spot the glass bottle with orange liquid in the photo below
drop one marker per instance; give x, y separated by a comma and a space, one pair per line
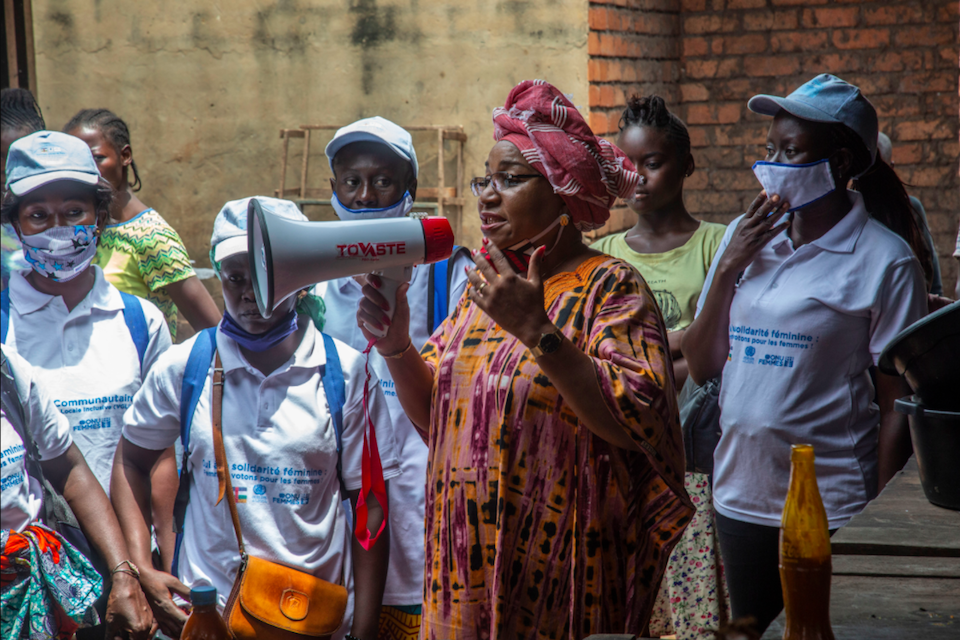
805, 566
204, 622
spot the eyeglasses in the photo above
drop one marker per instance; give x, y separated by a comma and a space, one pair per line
501, 180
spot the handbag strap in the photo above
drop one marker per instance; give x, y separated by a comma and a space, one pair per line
220, 453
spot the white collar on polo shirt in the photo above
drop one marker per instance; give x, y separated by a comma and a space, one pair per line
842, 238
309, 354
27, 300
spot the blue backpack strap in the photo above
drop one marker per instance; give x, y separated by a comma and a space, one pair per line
194, 379
441, 276
335, 390
4, 314
136, 324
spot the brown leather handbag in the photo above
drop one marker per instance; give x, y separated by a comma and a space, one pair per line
270, 601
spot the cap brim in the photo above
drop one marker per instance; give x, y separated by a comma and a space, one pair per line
28, 184
769, 106
333, 147
230, 247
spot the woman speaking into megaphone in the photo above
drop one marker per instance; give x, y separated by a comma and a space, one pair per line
555, 477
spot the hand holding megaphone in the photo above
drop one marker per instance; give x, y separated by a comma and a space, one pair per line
391, 328
289, 255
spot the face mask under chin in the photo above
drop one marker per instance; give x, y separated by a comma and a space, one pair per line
402, 208
518, 254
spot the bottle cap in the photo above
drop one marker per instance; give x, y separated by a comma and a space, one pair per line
203, 596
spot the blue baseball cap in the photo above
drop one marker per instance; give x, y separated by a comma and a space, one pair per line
375, 129
230, 227
826, 98
48, 156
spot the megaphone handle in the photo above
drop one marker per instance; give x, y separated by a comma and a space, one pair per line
390, 281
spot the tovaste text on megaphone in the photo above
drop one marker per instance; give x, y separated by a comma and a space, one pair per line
289, 255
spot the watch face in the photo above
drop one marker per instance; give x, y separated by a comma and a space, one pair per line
549, 342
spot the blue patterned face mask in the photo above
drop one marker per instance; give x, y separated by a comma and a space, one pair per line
61, 253
398, 210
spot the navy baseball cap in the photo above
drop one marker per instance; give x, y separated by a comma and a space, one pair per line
826, 98
48, 156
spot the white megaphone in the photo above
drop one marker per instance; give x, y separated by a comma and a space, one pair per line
289, 255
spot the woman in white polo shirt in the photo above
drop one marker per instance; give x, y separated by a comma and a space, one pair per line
795, 312
280, 445
48, 586
90, 345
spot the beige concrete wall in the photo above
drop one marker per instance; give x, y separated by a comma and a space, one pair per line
206, 86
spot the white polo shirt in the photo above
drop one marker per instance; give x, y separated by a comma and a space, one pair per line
85, 359
405, 576
282, 451
22, 496
805, 327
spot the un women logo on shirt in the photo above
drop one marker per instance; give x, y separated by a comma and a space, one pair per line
750, 352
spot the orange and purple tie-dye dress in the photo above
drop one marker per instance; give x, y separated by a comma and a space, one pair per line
535, 527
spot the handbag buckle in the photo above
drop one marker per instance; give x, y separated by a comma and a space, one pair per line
294, 604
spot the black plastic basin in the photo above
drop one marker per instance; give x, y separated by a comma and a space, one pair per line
936, 443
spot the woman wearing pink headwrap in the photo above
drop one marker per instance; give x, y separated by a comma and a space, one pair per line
555, 481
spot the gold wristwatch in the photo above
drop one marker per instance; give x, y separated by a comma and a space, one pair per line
549, 342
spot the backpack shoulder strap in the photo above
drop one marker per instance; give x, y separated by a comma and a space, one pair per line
136, 323
335, 390
194, 379
4, 314
441, 277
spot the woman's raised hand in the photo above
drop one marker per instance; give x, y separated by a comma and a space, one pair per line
755, 230
512, 301
372, 311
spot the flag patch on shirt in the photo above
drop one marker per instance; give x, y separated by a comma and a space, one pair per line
240, 493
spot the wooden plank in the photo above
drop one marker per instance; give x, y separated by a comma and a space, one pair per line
896, 566
30, 52
890, 609
455, 135
432, 193
901, 521
10, 24
291, 133
306, 160
284, 147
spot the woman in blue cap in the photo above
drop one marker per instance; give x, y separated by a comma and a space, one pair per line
806, 289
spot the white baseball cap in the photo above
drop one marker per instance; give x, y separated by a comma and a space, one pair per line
375, 129
48, 156
230, 227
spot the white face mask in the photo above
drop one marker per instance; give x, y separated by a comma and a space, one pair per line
798, 184
402, 208
61, 253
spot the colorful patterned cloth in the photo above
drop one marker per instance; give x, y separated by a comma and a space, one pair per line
399, 623
536, 528
47, 587
586, 171
693, 595
142, 256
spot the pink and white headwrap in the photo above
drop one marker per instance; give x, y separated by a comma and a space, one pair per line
586, 171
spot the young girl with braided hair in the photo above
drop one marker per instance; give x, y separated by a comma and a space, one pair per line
672, 250
139, 252
19, 116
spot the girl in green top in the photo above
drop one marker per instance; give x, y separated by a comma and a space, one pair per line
672, 250
139, 252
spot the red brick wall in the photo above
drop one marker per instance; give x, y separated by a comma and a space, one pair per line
903, 54
634, 47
